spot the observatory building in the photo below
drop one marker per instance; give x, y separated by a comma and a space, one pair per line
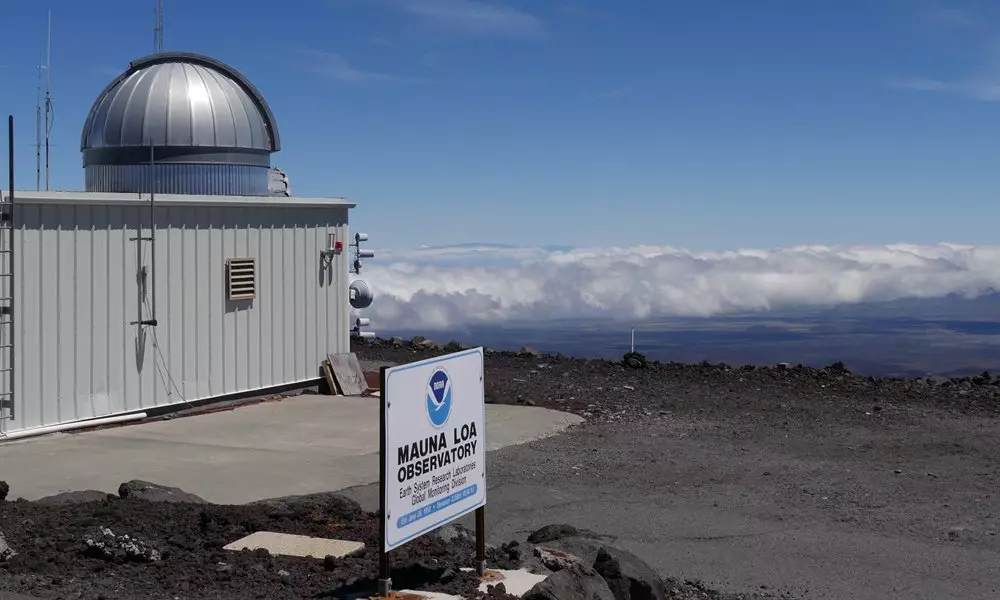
185, 270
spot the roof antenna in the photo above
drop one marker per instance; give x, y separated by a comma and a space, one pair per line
38, 126
158, 28
48, 100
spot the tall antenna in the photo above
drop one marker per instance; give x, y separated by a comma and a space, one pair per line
158, 28
38, 127
48, 99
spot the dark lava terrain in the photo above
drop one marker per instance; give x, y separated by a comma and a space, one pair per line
608, 390
816, 483
774, 481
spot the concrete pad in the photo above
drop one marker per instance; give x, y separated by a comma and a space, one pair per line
302, 546
300, 445
417, 595
516, 582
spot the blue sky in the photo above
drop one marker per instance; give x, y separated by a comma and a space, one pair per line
707, 125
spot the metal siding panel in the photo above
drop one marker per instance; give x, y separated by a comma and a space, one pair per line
254, 317
190, 314
179, 342
299, 337
48, 335
180, 178
340, 328
230, 322
245, 347
320, 294
77, 293
269, 275
216, 268
133, 385
203, 296
100, 280
307, 297
64, 259
30, 359
287, 330
117, 317
82, 311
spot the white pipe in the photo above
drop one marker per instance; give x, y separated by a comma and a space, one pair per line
16, 435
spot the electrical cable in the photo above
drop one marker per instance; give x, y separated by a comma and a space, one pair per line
161, 366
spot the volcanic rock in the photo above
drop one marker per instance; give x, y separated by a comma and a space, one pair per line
556, 560
4, 490
74, 498
106, 545
301, 506
628, 577
577, 582
6, 552
454, 532
557, 532
151, 492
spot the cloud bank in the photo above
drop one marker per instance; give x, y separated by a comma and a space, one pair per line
449, 288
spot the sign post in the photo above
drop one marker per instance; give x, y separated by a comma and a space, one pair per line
432, 448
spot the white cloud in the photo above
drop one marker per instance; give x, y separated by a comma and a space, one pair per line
979, 33
444, 288
985, 88
471, 17
336, 67
949, 18
616, 93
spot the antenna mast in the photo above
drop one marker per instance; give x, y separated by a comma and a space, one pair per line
158, 28
38, 126
48, 99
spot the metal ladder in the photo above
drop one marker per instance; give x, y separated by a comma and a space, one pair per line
7, 307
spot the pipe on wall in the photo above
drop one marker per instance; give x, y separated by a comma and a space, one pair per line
25, 433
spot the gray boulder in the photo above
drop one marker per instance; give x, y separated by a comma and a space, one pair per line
66, 498
6, 552
106, 545
556, 560
628, 577
4, 490
584, 547
302, 505
454, 532
151, 492
558, 531
575, 583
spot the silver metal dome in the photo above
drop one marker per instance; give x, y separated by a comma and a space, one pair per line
207, 129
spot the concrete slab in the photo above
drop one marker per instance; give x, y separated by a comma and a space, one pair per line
417, 595
300, 445
302, 546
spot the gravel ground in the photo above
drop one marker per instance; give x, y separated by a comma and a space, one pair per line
760, 482
812, 483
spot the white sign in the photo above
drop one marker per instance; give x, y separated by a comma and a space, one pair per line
435, 444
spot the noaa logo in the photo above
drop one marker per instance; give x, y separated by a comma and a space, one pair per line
439, 397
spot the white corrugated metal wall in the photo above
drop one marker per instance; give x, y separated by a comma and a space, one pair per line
77, 291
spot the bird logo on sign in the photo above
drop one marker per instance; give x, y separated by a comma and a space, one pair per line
439, 397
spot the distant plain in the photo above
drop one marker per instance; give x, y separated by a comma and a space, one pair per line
951, 336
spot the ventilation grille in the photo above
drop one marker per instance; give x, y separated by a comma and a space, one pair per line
241, 278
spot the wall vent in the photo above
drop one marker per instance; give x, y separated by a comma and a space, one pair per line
241, 278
